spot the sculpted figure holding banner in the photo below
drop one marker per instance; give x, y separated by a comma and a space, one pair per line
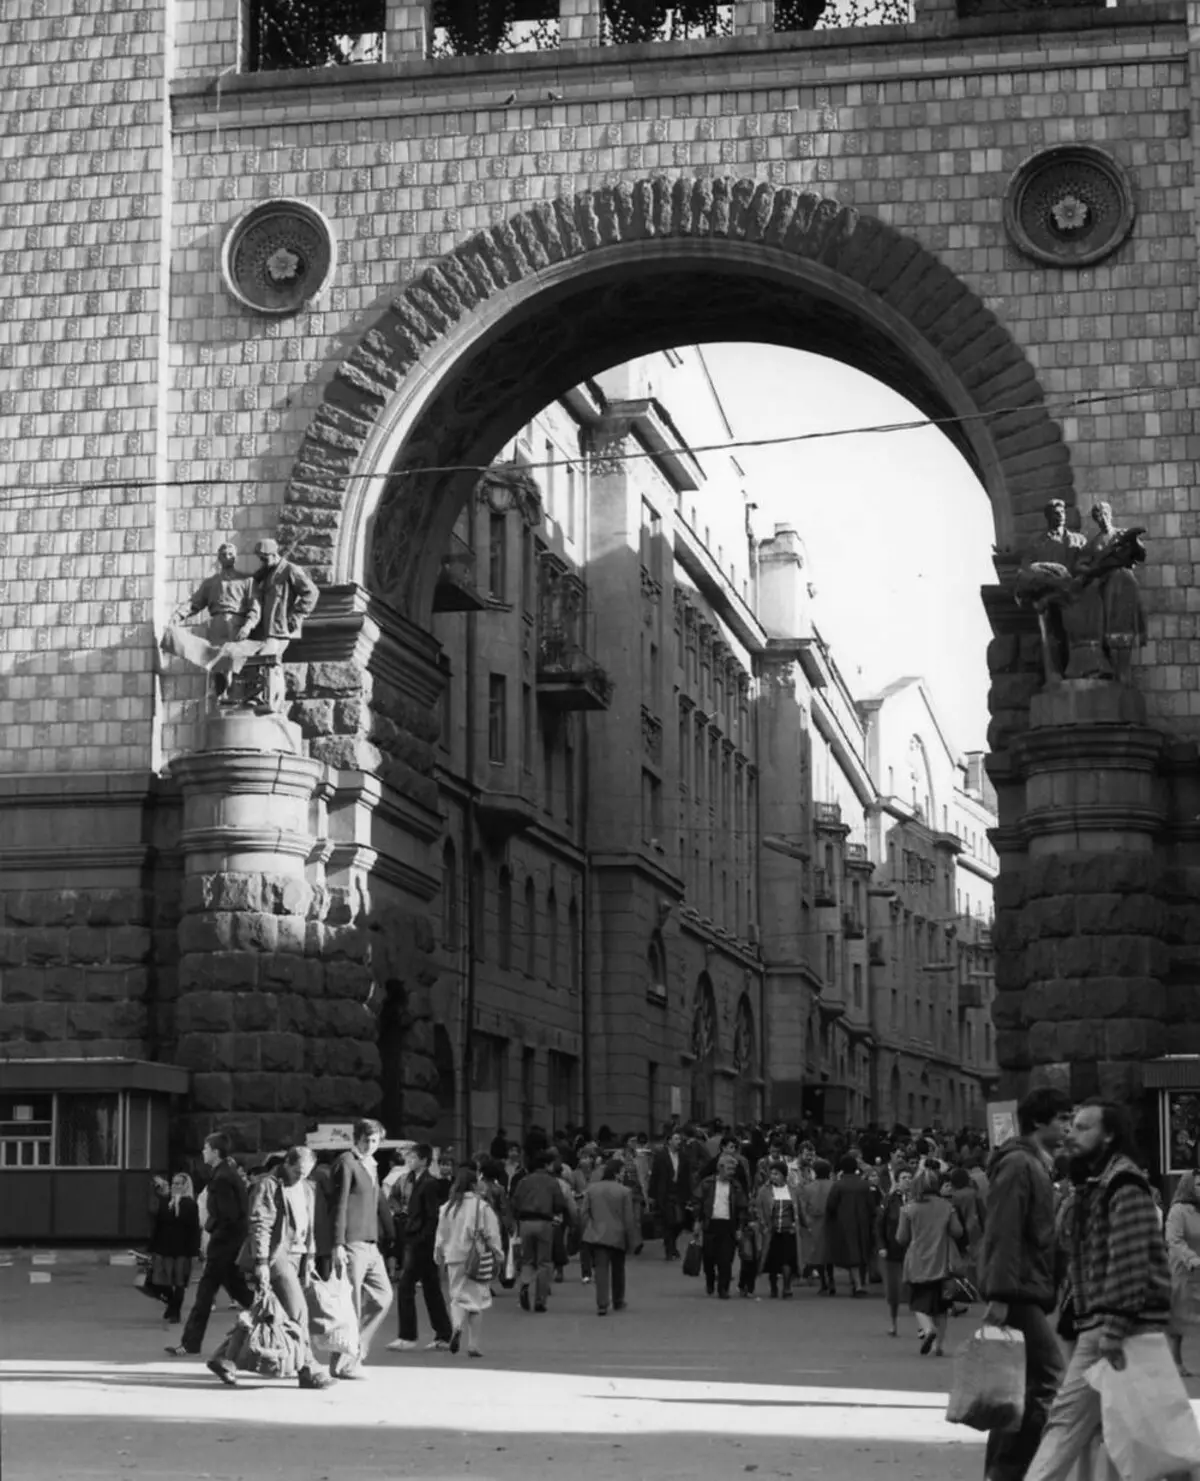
1085, 595
252, 619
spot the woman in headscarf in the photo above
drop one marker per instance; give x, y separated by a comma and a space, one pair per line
928, 1231
174, 1244
1183, 1251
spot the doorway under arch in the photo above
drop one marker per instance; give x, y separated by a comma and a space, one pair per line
447, 1087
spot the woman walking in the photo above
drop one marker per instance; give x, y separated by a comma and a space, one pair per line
928, 1231
467, 1222
1183, 1251
814, 1196
779, 1216
174, 1244
891, 1252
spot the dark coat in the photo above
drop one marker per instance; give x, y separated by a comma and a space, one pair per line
886, 1227
176, 1235
272, 1226
850, 1222
424, 1207
739, 1201
1017, 1261
228, 1211
671, 1191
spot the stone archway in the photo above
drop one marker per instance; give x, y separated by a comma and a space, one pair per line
463, 357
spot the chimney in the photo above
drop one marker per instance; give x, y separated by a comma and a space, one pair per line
783, 585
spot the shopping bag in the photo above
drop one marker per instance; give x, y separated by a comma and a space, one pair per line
267, 1341
332, 1320
989, 1381
508, 1276
1149, 1429
693, 1258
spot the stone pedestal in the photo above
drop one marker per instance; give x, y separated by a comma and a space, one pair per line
272, 1017
1082, 962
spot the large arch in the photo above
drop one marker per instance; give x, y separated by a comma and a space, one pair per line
489, 334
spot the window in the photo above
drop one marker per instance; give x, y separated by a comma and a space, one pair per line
69, 1129
574, 946
572, 502
552, 938
531, 928
498, 557
568, 782
548, 770
449, 897
561, 1077
528, 1086
26, 1130
551, 482
528, 586
858, 985
527, 728
488, 1074
830, 960
651, 808
504, 918
497, 718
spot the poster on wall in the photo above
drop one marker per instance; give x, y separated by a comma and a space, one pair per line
1180, 1129
1001, 1122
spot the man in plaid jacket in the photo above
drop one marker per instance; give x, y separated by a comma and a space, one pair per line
1120, 1282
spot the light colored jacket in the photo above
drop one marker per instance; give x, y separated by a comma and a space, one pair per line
928, 1229
1183, 1239
457, 1227
608, 1216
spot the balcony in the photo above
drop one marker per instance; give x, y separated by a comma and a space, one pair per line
568, 678
456, 590
853, 927
857, 856
824, 890
827, 814
971, 995
501, 815
832, 1002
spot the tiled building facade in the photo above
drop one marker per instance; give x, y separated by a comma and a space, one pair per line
490, 231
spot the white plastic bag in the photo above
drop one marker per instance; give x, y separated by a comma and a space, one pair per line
1150, 1432
989, 1381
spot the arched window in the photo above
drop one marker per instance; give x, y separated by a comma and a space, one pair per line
504, 905
552, 938
656, 966
574, 945
704, 1048
478, 908
531, 927
450, 940
746, 1093
811, 1058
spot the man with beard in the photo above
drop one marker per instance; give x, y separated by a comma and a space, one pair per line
1120, 1279
1017, 1268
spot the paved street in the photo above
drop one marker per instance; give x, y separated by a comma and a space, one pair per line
679, 1385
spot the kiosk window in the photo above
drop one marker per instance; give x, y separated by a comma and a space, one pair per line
26, 1130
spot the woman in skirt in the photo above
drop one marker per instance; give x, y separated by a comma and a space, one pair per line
928, 1232
780, 1218
174, 1244
467, 1220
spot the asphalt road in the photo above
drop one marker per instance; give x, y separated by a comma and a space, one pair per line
678, 1386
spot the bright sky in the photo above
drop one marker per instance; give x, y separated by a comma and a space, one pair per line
898, 529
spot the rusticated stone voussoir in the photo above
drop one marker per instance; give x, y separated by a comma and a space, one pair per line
939, 311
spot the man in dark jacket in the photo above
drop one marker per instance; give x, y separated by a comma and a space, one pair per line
537, 1203
417, 1263
724, 1209
672, 1188
850, 1217
361, 1219
1017, 1268
227, 1221
1120, 1279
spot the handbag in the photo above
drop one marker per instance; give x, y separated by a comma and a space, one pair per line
693, 1258
989, 1381
481, 1258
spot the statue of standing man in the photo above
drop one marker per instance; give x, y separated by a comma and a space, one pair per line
229, 599
284, 595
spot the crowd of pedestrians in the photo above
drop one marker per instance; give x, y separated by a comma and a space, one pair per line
1059, 1232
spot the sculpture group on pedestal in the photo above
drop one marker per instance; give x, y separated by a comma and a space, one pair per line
1085, 595
251, 621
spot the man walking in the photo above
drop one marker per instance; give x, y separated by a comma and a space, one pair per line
537, 1204
671, 1190
1017, 1268
1120, 1279
360, 1216
610, 1231
226, 1223
724, 1208
281, 1247
417, 1262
